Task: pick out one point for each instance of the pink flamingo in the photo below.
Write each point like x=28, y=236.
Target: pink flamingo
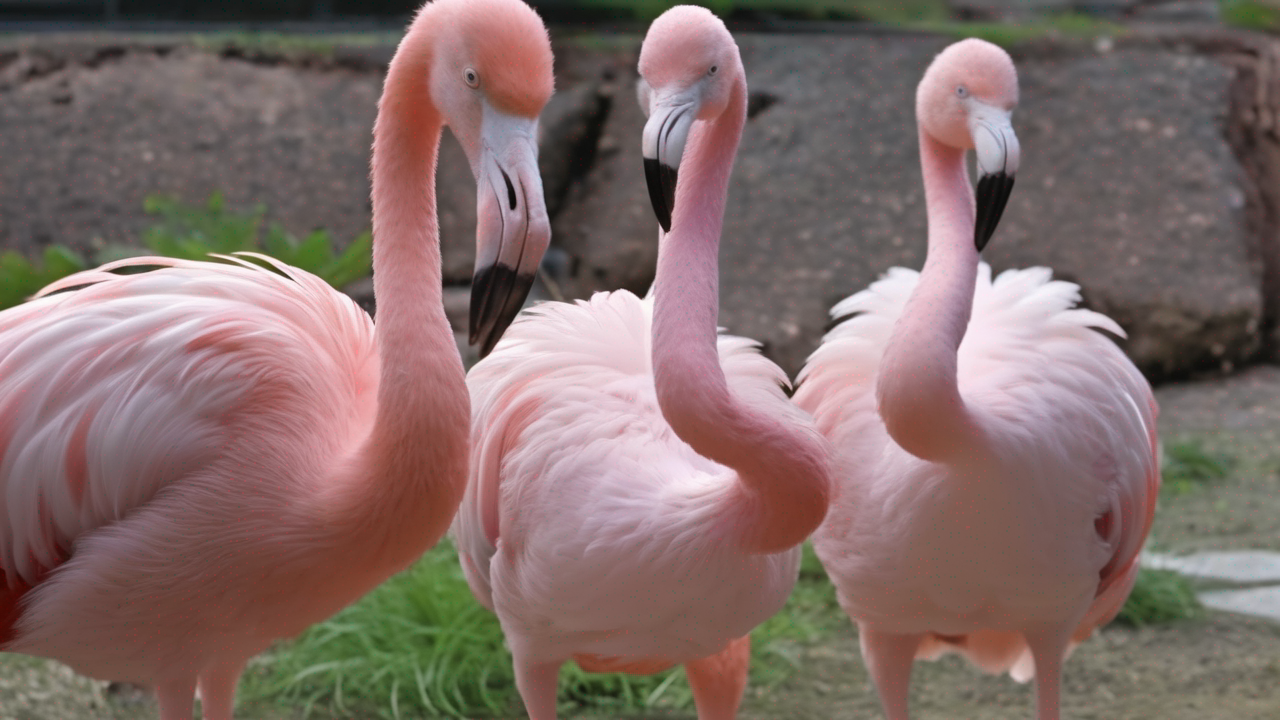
x=640, y=486
x=993, y=494
x=201, y=459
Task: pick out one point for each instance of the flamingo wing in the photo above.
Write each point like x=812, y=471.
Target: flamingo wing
x=113, y=386
x=554, y=349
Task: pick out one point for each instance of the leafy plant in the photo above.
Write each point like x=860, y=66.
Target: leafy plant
x=421, y=645
x=1188, y=466
x=1159, y=596
x=20, y=278
x=193, y=232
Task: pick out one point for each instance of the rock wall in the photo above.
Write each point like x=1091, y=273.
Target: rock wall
x=1128, y=185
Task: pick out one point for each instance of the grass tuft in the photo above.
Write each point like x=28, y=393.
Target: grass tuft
x=20, y=278
x=421, y=645
x=1188, y=466
x=1252, y=14
x=193, y=232
x=868, y=10
x=1159, y=596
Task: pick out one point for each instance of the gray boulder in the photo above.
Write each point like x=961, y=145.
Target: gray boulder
x=1127, y=187
x=88, y=134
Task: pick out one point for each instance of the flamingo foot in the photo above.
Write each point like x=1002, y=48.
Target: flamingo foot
x=218, y=690
x=1048, y=645
x=718, y=681
x=177, y=699
x=537, y=685
x=889, y=658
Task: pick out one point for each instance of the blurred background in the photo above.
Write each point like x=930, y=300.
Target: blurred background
x=593, y=10
x=1150, y=132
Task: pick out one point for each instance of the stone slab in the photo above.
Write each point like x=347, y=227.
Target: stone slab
x=1260, y=602
x=1241, y=567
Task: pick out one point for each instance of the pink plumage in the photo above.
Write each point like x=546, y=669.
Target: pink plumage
x=640, y=484
x=997, y=465
x=199, y=459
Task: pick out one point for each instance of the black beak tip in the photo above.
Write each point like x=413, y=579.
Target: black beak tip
x=981, y=238
x=497, y=294
x=992, y=196
x=661, y=180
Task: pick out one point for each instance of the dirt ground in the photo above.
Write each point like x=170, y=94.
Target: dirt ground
x=1222, y=667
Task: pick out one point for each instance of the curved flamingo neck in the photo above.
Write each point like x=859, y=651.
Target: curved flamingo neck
x=781, y=493
x=919, y=398
x=412, y=469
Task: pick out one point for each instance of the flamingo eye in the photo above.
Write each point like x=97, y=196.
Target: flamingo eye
x=714, y=69
x=962, y=91
x=471, y=77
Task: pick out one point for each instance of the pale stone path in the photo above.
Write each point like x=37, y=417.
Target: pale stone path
x=1255, y=573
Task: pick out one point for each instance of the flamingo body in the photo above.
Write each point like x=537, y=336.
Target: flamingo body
x=145, y=414
x=640, y=484
x=602, y=511
x=970, y=559
x=198, y=460
x=997, y=454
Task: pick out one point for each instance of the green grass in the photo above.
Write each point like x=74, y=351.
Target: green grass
x=1066, y=26
x=421, y=645
x=1188, y=466
x=923, y=15
x=20, y=277
x=1252, y=14
x=1159, y=596
x=871, y=10
x=193, y=232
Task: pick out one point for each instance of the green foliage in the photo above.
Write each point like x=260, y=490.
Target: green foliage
x=1188, y=466
x=21, y=278
x=421, y=645
x=1159, y=596
x=193, y=232
x=923, y=15
x=872, y=10
x=1252, y=14
x=1064, y=26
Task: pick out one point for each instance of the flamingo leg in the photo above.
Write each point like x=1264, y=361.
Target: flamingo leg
x=1048, y=645
x=718, y=681
x=889, y=658
x=176, y=699
x=218, y=690
x=536, y=682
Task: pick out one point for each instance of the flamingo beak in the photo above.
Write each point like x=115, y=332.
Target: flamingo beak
x=512, y=228
x=671, y=116
x=998, y=154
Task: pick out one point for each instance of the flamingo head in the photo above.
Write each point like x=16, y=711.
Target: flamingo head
x=689, y=64
x=490, y=77
x=966, y=100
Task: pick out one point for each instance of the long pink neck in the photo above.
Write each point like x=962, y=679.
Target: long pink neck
x=919, y=399
x=412, y=470
x=781, y=495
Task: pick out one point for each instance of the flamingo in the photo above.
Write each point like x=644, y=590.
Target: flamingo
x=640, y=485
x=996, y=455
x=201, y=459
